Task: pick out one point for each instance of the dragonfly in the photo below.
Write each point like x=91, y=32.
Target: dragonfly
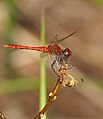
x=62, y=56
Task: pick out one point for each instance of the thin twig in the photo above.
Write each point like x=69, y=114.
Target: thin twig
x=52, y=96
x=2, y=116
x=62, y=74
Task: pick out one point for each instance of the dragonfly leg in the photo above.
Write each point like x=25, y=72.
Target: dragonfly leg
x=52, y=66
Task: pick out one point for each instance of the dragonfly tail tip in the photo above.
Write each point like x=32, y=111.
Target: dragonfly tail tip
x=5, y=46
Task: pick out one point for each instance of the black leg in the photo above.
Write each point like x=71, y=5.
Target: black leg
x=52, y=66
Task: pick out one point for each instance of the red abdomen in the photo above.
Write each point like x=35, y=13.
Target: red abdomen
x=41, y=48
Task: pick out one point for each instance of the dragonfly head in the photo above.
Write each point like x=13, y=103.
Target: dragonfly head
x=66, y=53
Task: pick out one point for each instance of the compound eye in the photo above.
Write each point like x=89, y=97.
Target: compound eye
x=67, y=53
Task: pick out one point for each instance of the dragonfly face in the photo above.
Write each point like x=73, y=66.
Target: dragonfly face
x=66, y=53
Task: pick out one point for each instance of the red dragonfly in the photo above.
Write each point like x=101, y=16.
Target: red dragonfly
x=53, y=49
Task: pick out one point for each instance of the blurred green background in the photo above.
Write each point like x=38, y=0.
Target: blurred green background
x=20, y=69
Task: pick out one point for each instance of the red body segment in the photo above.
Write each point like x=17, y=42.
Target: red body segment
x=54, y=49
x=41, y=48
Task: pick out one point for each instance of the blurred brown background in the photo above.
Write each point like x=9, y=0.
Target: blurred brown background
x=19, y=69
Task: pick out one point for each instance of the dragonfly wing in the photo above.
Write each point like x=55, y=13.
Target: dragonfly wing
x=48, y=59
x=73, y=77
x=43, y=55
x=55, y=39
x=60, y=40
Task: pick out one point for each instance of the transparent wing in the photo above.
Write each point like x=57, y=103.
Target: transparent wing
x=56, y=40
x=48, y=59
x=43, y=55
x=72, y=78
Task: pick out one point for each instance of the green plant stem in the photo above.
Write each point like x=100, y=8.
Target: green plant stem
x=42, y=66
